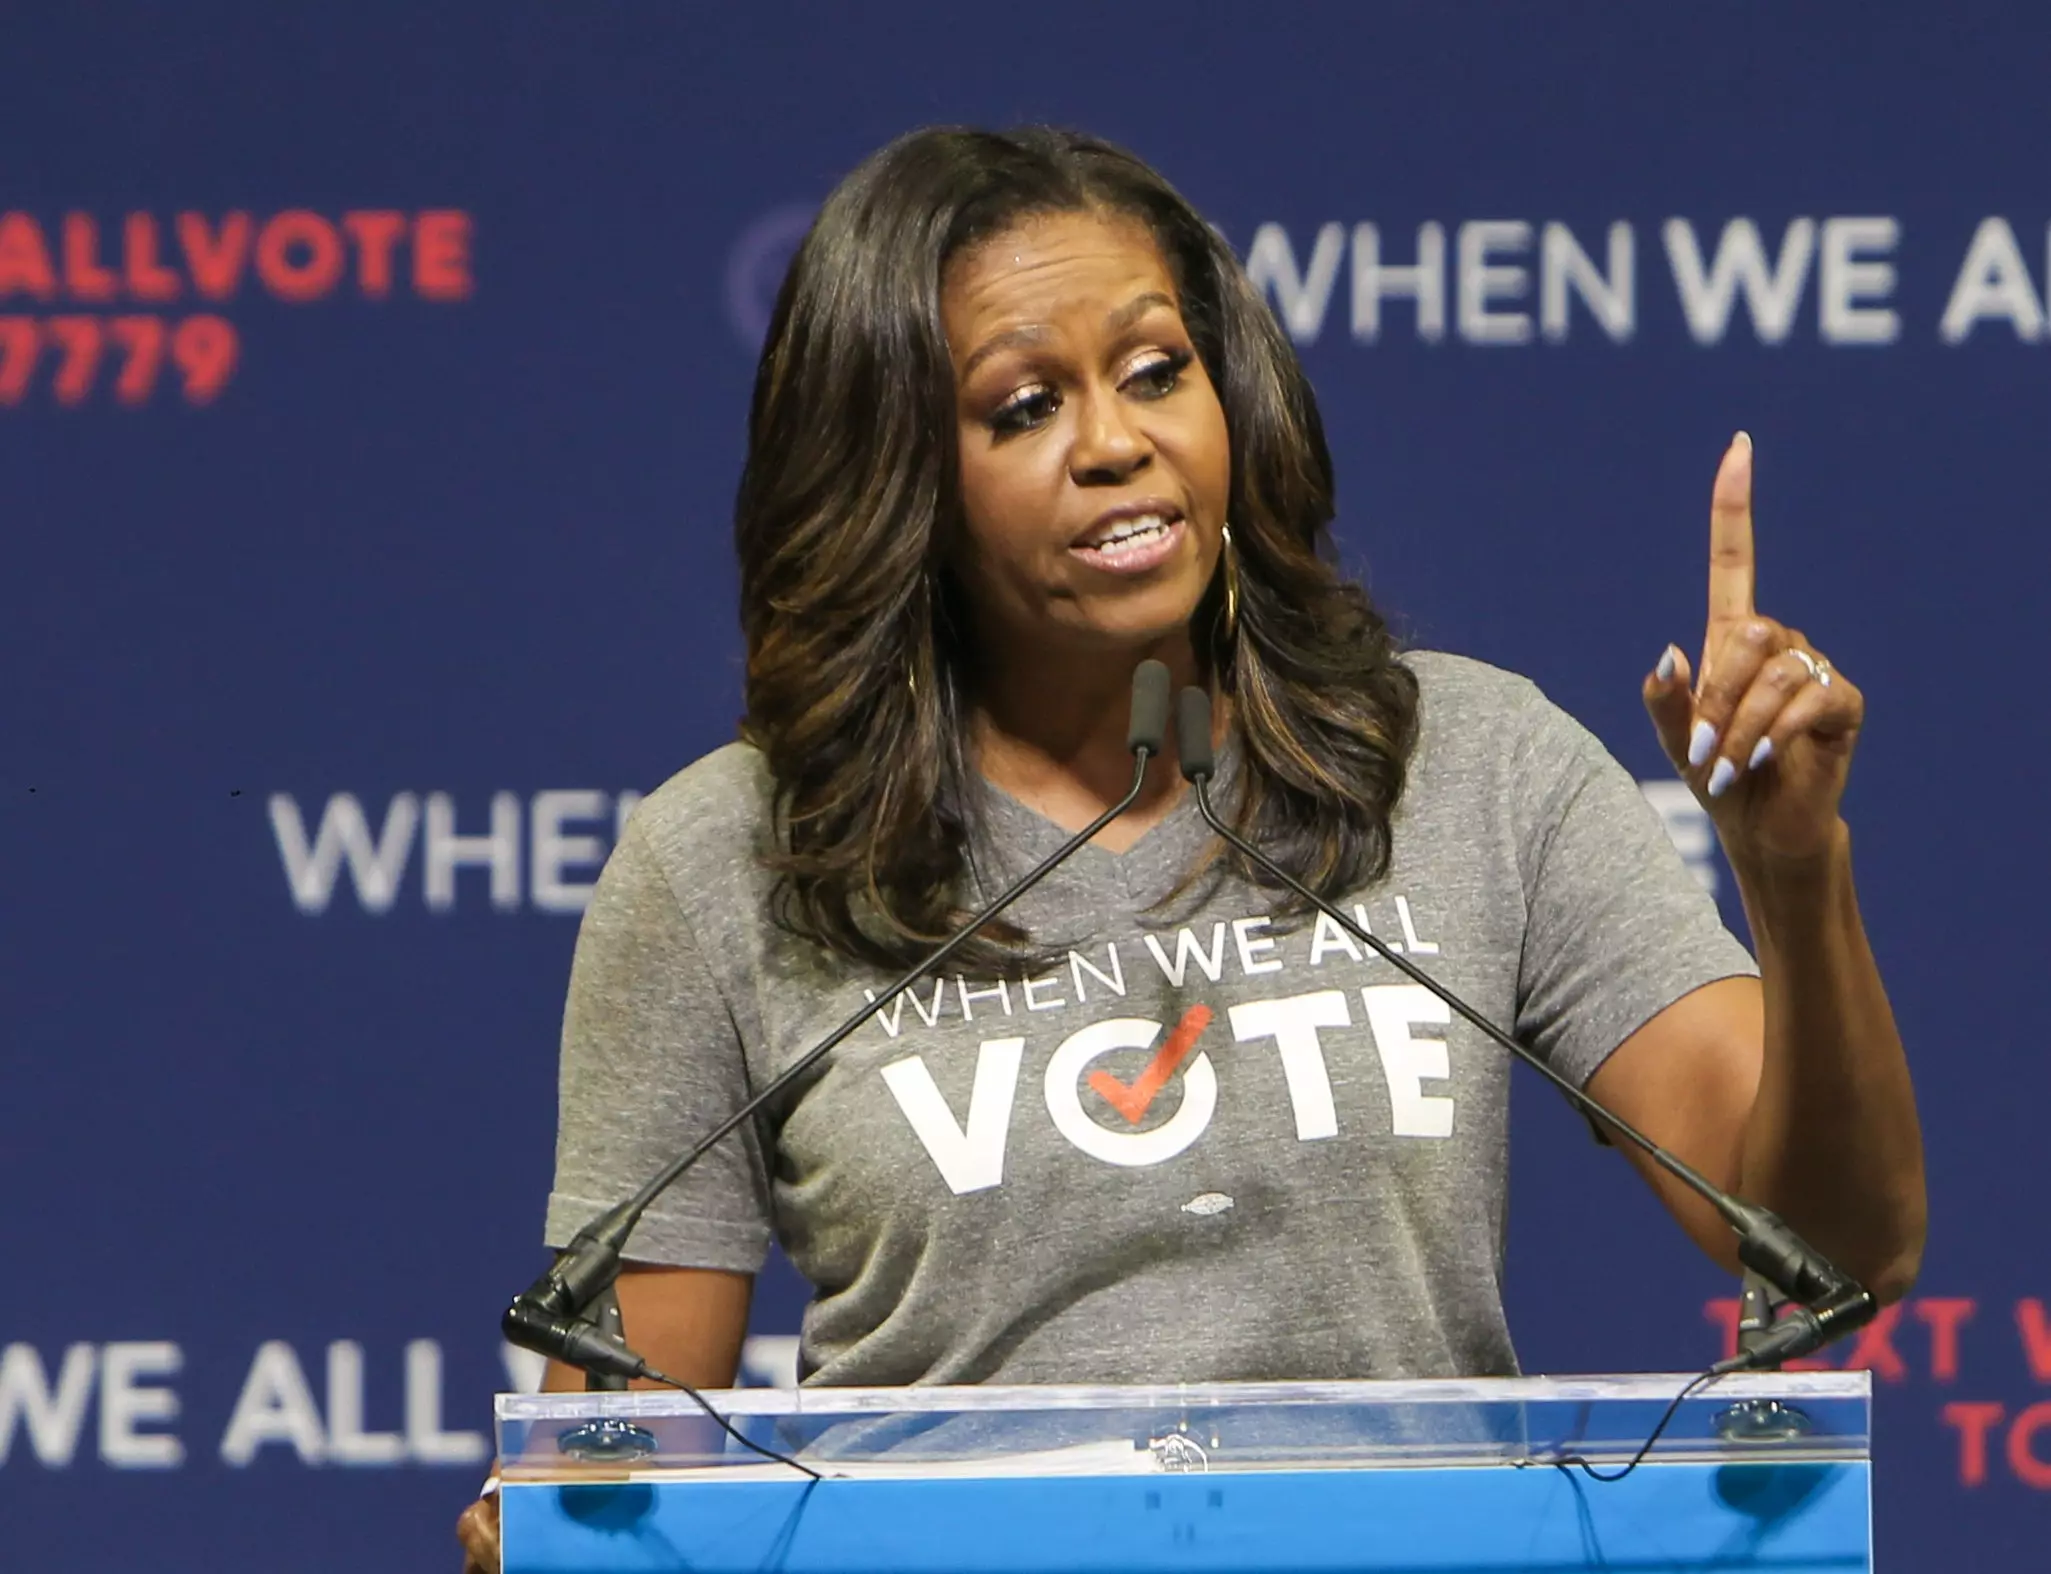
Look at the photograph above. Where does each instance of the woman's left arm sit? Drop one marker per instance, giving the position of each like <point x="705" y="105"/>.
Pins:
<point x="1792" y="1090"/>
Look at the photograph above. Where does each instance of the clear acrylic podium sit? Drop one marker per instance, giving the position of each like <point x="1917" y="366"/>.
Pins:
<point x="1765" y="1471"/>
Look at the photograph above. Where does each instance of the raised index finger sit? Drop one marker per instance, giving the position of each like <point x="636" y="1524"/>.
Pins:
<point x="1730" y="534"/>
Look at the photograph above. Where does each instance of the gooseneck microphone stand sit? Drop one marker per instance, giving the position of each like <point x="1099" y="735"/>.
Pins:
<point x="1824" y="1301"/>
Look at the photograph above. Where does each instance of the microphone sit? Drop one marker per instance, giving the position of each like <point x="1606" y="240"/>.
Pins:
<point x="1827" y="1301"/>
<point x="548" y="1316"/>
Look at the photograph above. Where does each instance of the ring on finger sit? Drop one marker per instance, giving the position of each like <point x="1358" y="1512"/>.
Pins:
<point x="1819" y="669"/>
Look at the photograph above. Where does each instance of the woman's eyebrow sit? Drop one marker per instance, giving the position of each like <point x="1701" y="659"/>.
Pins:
<point x="1000" y="341"/>
<point x="1136" y="308"/>
<point x="1117" y="322"/>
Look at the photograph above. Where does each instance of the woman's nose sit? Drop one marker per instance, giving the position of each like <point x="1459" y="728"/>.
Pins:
<point x="1108" y="446"/>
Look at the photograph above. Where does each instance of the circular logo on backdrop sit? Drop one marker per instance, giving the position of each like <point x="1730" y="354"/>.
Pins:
<point x="755" y="268"/>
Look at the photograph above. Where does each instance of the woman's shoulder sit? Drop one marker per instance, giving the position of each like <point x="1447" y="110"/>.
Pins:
<point x="1462" y="697"/>
<point x="714" y="814"/>
<point x="1482" y="730"/>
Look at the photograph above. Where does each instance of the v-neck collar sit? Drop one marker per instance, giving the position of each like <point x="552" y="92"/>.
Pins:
<point x="1009" y="837"/>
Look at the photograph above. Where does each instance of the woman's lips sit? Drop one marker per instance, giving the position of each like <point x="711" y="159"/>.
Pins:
<point x="1137" y="553"/>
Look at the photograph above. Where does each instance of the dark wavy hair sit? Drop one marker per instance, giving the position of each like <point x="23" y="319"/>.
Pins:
<point x="849" y="500"/>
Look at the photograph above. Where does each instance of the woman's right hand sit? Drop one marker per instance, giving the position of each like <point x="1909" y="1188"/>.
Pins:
<point x="478" y="1529"/>
<point x="689" y="1321"/>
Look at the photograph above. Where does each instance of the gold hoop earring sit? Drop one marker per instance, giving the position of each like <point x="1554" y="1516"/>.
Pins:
<point x="1230" y="569"/>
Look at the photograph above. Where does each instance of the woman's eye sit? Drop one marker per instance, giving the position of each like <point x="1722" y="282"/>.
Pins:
<point x="1024" y="411"/>
<point x="1159" y="376"/>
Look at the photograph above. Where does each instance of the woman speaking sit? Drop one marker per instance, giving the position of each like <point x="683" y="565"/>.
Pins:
<point x="1021" y="423"/>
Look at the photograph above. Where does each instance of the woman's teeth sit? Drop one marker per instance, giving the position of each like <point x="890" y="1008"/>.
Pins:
<point x="1130" y="534"/>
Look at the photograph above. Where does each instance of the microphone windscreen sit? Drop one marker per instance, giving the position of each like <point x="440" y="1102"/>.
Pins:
<point x="1149" y="729"/>
<point x="1193" y="733"/>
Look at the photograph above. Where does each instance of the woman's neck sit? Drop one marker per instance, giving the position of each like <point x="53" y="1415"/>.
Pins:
<point x="1050" y="730"/>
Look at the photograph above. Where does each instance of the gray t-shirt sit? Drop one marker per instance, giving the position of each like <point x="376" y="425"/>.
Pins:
<point x="1200" y="1144"/>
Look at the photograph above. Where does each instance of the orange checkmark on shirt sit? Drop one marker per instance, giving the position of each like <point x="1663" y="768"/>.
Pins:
<point x="1133" y="1099"/>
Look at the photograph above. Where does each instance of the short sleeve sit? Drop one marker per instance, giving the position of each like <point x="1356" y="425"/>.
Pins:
<point x="1617" y="928"/>
<point x="651" y="1062"/>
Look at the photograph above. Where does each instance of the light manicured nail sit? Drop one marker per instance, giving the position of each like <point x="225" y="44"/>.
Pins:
<point x="1721" y="778"/>
<point x="1742" y="440"/>
<point x="1762" y="751"/>
<point x="1665" y="670"/>
<point x="1700" y="742"/>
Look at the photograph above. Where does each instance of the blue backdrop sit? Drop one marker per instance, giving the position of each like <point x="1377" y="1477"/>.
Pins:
<point x="372" y="383"/>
